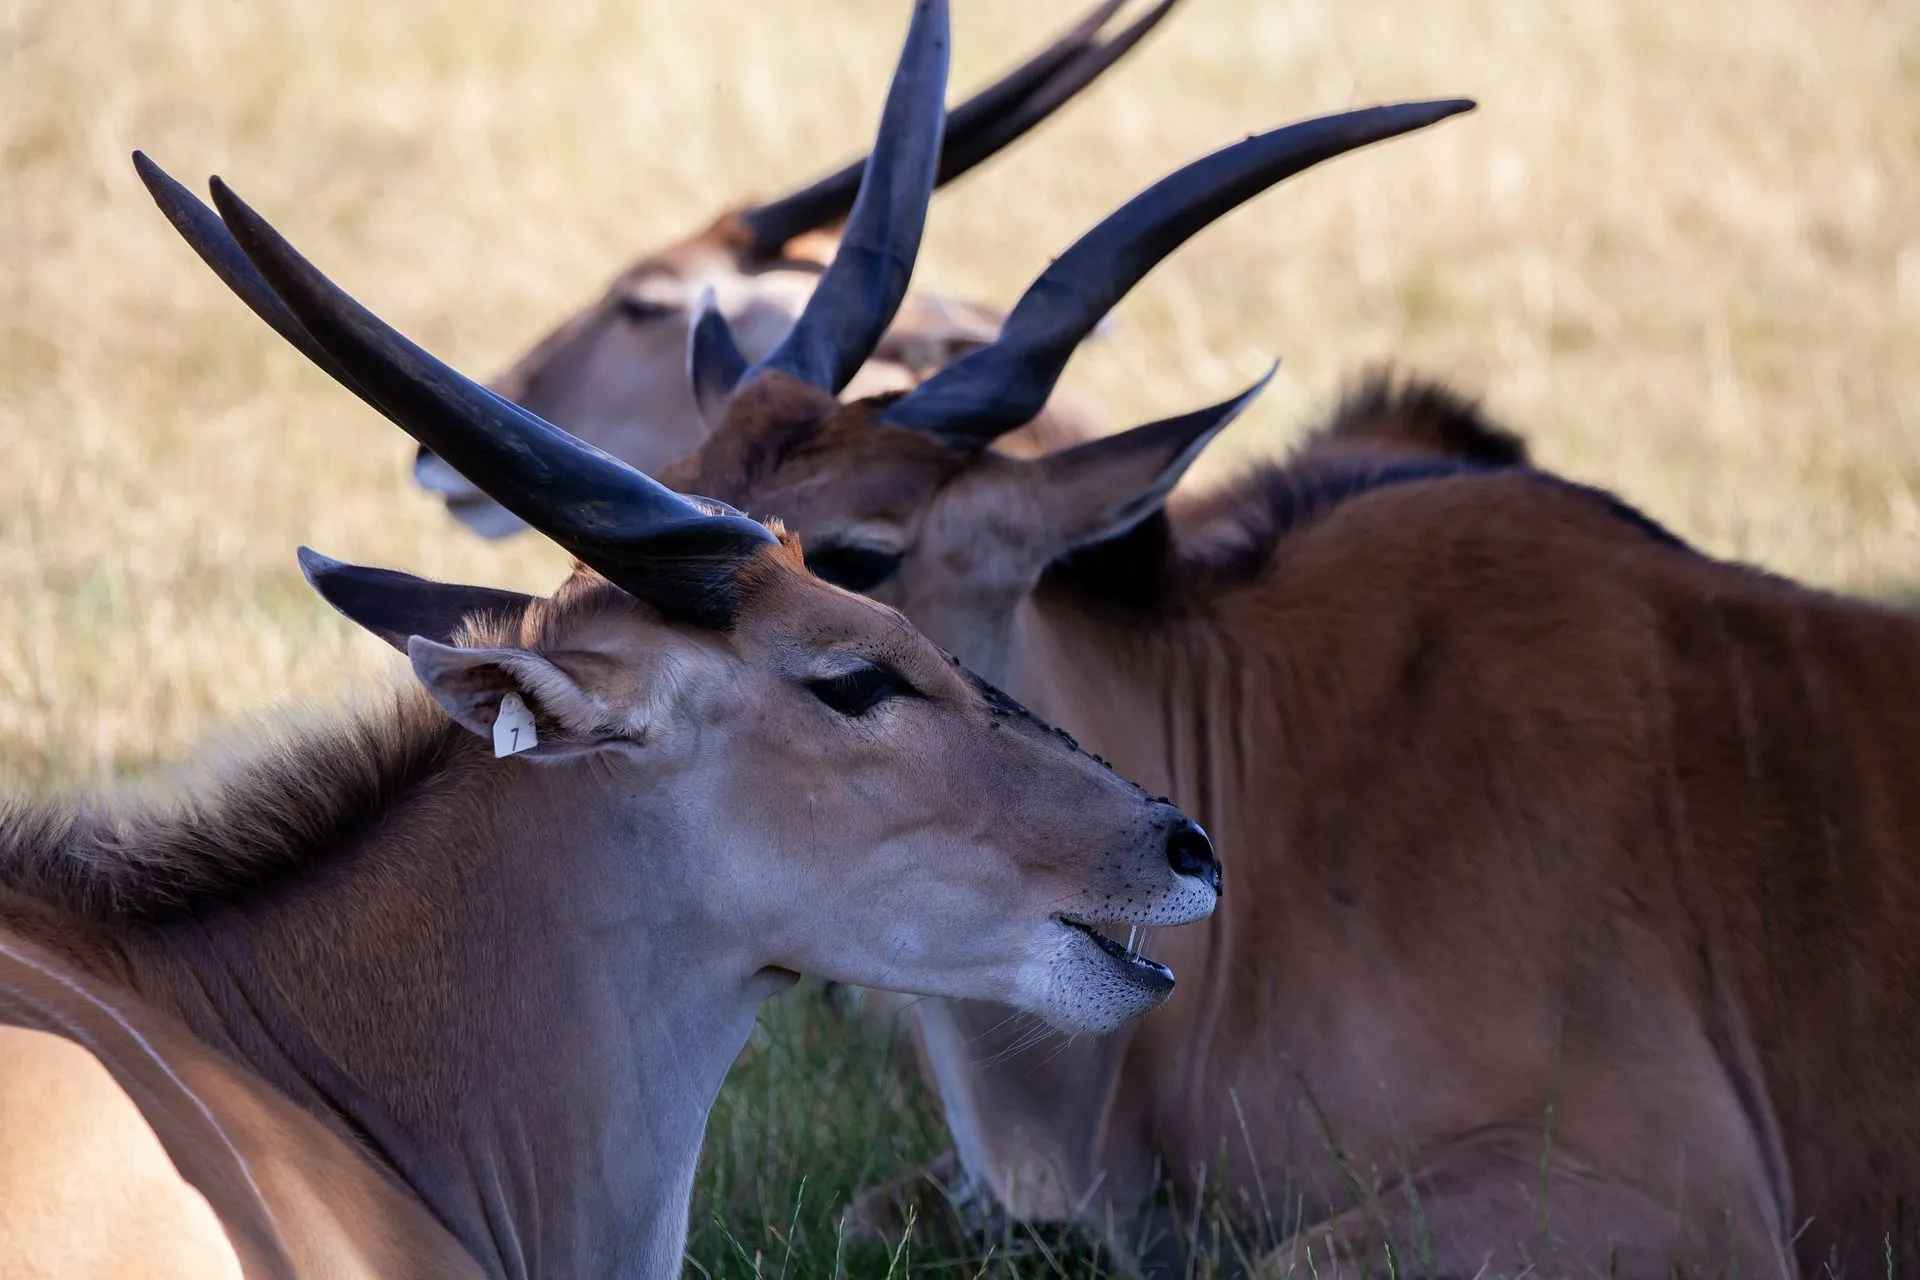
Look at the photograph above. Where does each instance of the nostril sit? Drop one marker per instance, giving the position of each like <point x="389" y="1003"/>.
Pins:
<point x="1190" y="853"/>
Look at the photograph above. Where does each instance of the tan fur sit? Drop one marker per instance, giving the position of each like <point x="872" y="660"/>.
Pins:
<point x="94" y="1194"/>
<point x="386" y="1005"/>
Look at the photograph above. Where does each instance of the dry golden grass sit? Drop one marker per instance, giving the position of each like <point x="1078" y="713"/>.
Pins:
<point x="1679" y="245"/>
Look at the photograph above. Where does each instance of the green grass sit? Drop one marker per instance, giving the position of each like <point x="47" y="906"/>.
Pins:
<point x="821" y="1105"/>
<point x="816" y="1108"/>
<point x="824" y="1104"/>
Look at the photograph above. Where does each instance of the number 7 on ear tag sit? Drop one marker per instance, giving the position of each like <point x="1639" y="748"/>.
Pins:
<point x="513" y="730"/>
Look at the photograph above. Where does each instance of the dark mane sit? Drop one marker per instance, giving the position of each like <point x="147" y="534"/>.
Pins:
<point x="288" y="794"/>
<point x="1415" y="416"/>
<point x="1385" y="431"/>
<point x="296" y="794"/>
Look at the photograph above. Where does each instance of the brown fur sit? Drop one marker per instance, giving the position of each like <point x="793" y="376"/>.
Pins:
<point x="394" y="1007"/>
<point x="288" y="800"/>
<point x="1408" y="414"/>
<point x="1566" y="861"/>
<point x="279" y="800"/>
<point x="1386" y="430"/>
<point x="286" y="797"/>
<point x="1636" y="819"/>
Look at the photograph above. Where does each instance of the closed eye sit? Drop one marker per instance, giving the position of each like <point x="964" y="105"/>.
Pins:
<point x="640" y="310"/>
<point x="861" y="690"/>
<point x="854" y="567"/>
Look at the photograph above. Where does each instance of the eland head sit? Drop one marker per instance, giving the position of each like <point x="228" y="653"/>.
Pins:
<point x="901" y="495"/>
<point x="947" y="841"/>
<point x="614" y="373"/>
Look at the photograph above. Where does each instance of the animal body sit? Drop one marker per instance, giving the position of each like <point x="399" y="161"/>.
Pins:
<point x="1574" y="870"/>
<point x="389" y="1000"/>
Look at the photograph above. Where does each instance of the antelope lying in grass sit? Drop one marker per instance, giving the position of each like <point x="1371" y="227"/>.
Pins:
<point x="615" y="373"/>
<point x="1578" y="870"/>
<point x="381" y="1004"/>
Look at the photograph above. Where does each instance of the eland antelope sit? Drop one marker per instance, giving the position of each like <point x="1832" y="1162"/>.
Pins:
<point x="383" y="1003"/>
<point x="1577" y="872"/>
<point x="614" y="373"/>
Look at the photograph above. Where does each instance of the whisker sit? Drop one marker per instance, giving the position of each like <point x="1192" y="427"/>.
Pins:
<point x="1065" y="1044"/>
<point x="1013" y="1014"/>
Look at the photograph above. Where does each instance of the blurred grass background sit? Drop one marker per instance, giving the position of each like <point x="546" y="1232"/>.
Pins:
<point x="1679" y="246"/>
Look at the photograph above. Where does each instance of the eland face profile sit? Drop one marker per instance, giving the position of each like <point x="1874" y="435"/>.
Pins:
<point x="614" y="373"/>
<point x="448" y="988"/>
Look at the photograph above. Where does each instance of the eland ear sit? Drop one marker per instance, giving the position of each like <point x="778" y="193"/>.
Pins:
<point x="555" y="714"/>
<point x="396" y="606"/>
<point x="714" y="363"/>
<point x="1102" y="489"/>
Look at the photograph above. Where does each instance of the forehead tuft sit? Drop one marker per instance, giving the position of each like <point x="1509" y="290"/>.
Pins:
<point x="789" y="548"/>
<point x="584" y="597"/>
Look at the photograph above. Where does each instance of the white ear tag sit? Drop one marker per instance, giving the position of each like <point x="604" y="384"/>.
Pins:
<point x="513" y="729"/>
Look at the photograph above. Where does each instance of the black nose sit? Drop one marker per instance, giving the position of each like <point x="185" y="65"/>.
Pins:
<point x="1190" y="853"/>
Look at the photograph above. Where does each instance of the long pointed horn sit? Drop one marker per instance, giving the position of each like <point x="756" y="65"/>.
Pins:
<point x="991" y="119"/>
<point x="1003" y="385"/>
<point x="202" y="229"/>
<point x="611" y="515"/>
<point x="857" y="295"/>
<point x="640" y="534"/>
<point x="994" y="128"/>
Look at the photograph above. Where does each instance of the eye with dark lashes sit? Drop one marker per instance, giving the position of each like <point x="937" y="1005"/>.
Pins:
<point x="853" y="567"/>
<point x="859" y="691"/>
<point x="636" y="308"/>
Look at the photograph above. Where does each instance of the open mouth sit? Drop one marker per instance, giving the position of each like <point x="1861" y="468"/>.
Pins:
<point x="1139" y="967"/>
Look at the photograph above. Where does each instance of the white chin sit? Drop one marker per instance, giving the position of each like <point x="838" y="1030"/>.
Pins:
<point x="1085" y="991"/>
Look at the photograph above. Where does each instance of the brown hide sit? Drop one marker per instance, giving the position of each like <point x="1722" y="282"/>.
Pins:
<point x="1549" y="846"/>
<point x="1569" y="870"/>
<point x="293" y="1190"/>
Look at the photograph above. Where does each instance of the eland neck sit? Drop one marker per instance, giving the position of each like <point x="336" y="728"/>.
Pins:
<point x="522" y="998"/>
<point x="1104" y="677"/>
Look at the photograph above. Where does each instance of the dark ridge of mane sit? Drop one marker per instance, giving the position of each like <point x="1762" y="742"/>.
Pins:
<point x="1228" y="537"/>
<point x="297" y="795"/>
<point x="1416" y="415"/>
<point x="1620" y="509"/>
<point x="1384" y="432"/>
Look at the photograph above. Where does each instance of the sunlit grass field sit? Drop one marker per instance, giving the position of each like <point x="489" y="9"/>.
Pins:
<point x="1679" y="246"/>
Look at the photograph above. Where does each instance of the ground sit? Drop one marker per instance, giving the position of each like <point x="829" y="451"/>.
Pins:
<point x="1679" y="246"/>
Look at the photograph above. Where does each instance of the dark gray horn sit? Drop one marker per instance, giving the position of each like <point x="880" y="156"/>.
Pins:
<point x="979" y="137"/>
<point x="859" y="292"/>
<point x="714" y="363"/>
<point x="640" y="534"/>
<point x="1003" y="385"/>
<point x="988" y="121"/>
<point x="396" y="606"/>
<point x="202" y="229"/>
<point x="609" y="514"/>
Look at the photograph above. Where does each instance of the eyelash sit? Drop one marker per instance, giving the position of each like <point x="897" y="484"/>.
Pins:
<point x="860" y="690"/>
<point x="641" y="310"/>
<point x="855" y="568"/>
